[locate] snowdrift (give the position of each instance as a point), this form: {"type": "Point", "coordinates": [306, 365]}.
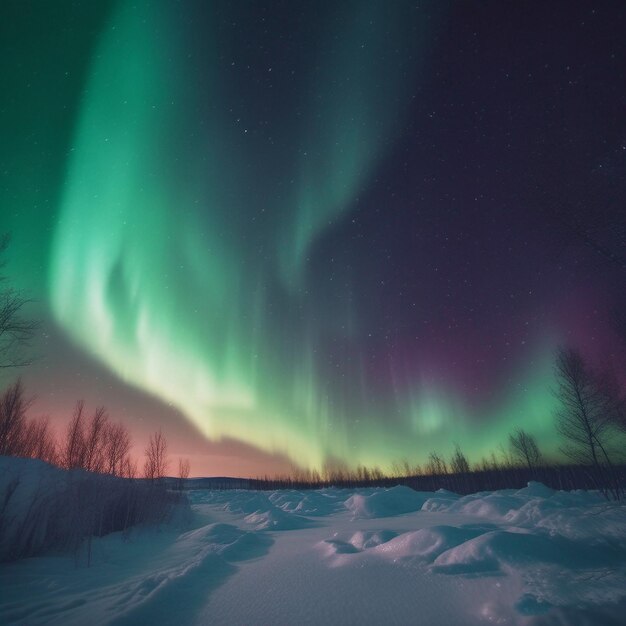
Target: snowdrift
{"type": "Point", "coordinates": [45, 508]}
{"type": "Point", "coordinates": [532, 556]}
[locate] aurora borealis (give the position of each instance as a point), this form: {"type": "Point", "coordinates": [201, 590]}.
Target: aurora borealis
{"type": "Point", "coordinates": [317, 231]}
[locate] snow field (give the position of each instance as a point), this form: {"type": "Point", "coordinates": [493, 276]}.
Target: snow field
{"type": "Point", "coordinates": [532, 556]}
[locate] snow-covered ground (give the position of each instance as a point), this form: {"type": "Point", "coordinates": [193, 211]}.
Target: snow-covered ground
{"type": "Point", "coordinates": [367, 556]}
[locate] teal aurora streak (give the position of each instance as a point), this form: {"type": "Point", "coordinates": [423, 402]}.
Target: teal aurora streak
{"type": "Point", "coordinates": [180, 255]}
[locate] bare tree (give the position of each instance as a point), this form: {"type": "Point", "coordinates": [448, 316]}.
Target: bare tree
{"type": "Point", "coordinates": [485, 465]}
{"type": "Point", "coordinates": [95, 441]}
{"type": "Point", "coordinates": [13, 406]}
{"type": "Point", "coordinates": [459, 463]}
{"type": "Point", "coordinates": [73, 448]}
{"type": "Point", "coordinates": [129, 467]}
{"type": "Point", "coordinates": [116, 448]}
{"type": "Point", "coordinates": [524, 448]}
{"type": "Point", "coordinates": [436, 465]}
{"type": "Point", "coordinates": [506, 460]}
{"type": "Point", "coordinates": [156, 462]}
{"type": "Point", "coordinates": [16, 330]}
{"type": "Point", "coordinates": [584, 417]}
{"type": "Point", "coordinates": [183, 472]}
{"type": "Point", "coordinates": [39, 441]}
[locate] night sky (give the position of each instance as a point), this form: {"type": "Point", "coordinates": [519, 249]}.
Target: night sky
{"type": "Point", "coordinates": [309, 233]}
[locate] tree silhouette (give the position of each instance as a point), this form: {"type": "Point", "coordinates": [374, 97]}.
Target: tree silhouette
{"type": "Point", "coordinates": [13, 406]}
{"type": "Point", "coordinates": [16, 330]}
{"type": "Point", "coordinates": [585, 416]}
{"type": "Point", "coordinates": [183, 472]}
{"type": "Point", "coordinates": [156, 462]}
{"type": "Point", "coordinates": [524, 448]}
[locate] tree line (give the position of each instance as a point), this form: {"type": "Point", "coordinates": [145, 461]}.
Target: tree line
{"type": "Point", "coordinates": [590, 418]}
{"type": "Point", "coordinates": [93, 443]}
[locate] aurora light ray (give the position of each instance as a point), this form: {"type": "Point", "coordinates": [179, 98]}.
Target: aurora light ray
{"type": "Point", "coordinates": [181, 251]}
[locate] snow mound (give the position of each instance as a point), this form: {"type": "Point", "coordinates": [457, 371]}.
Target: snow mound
{"type": "Point", "coordinates": [338, 547]}
{"type": "Point", "coordinates": [517, 548]}
{"type": "Point", "coordinates": [359, 542]}
{"type": "Point", "coordinates": [223, 539]}
{"type": "Point", "coordinates": [44, 508]}
{"type": "Point", "coordinates": [167, 594]}
{"type": "Point", "coordinates": [579, 516]}
{"type": "Point", "coordinates": [493, 506]}
{"type": "Point", "coordinates": [427, 543]}
{"type": "Point", "coordinates": [535, 490]}
{"type": "Point", "coordinates": [363, 540]}
{"type": "Point", "coordinates": [22, 481]}
{"type": "Point", "coordinates": [385, 502]}
{"type": "Point", "coordinates": [441, 501]}
{"type": "Point", "coordinates": [313, 503]}
{"type": "Point", "coordinates": [490, 551]}
{"type": "Point", "coordinates": [247, 502]}
{"type": "Point", "coordinates": [276, 519]}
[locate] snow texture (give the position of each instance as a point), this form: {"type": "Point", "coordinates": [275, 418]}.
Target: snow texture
{"type": "Point", "coordinates": [369, 556]}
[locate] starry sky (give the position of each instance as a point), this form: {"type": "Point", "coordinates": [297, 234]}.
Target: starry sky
{"type": "Point", "coordinates": [322, 233]}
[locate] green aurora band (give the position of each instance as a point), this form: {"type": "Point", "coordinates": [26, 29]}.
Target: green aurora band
{"type": "Point", "coordinates": [180, 254]}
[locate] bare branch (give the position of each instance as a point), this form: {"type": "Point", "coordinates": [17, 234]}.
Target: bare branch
{"type": "Point", "coordinates": [156, 462]}
{"type": "Point", "coordinates": [16, 330]}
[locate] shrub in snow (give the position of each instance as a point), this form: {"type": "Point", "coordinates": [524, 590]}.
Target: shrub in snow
{"type": "Point", "coordinates": [45, 508]}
